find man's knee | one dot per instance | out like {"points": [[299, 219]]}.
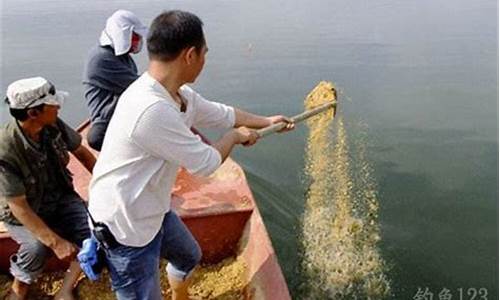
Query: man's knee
{"points": [[195, 256], [32, 254], [191, 258], [29, 261]]}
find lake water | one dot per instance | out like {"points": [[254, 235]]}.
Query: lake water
{"points": [[418, 78]]}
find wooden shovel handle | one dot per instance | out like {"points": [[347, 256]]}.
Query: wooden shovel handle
{"points": [[297, 119]]}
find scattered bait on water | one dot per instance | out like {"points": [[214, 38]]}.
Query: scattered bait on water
{"points": [[340, 229]]}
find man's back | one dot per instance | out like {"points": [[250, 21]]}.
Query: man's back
{"points": [[105, 78]]}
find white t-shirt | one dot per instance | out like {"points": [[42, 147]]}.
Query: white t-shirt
{"points": [[147, 140]]}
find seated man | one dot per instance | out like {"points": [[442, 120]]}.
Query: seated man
{"points": [[110, 70], [38, 204]]}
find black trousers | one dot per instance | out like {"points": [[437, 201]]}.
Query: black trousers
{"points": [[95, 136]]}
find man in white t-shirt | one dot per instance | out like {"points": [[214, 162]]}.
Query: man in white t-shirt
{"points": [[147, 140]]}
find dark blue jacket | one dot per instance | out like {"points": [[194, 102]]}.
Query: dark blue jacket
{"points": [[105, 78]]}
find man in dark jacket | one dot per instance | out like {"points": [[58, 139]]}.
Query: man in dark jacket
{"points": [[38, 204], [110, 70]]}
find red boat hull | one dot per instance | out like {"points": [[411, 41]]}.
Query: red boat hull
{"points": [[222, 215]]}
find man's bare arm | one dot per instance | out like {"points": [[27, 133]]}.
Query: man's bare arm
{"points": [[243, 118], [86, 158], [233, 137]]}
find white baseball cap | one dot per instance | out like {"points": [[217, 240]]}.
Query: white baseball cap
{"points": [[30, 92]]}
